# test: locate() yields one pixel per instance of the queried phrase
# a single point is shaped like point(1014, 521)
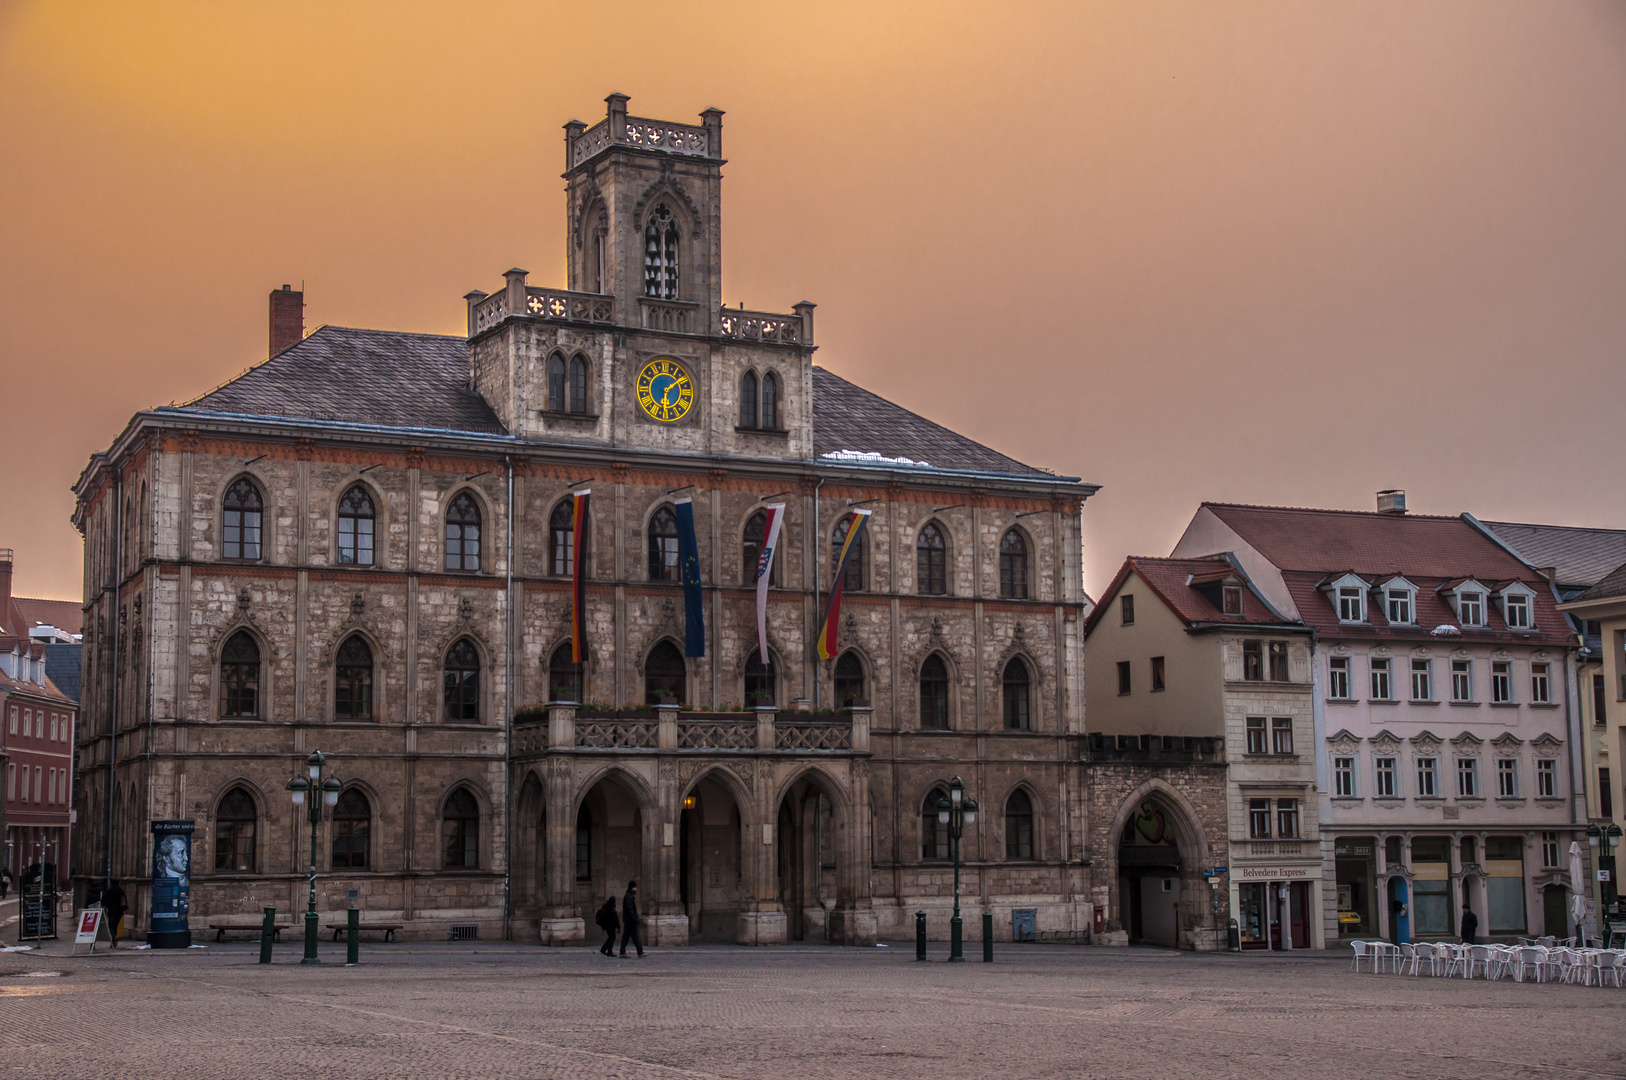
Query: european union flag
point(694, 614)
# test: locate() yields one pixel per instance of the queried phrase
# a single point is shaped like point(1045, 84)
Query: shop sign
point(1270, 873)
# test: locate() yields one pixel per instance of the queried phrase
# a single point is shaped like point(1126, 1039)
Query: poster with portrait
point(171, 884)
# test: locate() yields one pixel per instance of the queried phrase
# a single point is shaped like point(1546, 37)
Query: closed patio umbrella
point(1577, 886)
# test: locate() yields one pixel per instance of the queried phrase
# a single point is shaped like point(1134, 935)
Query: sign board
point(1603, 875)
point(91, 921)
point(1272, 873)
point(352, 894)
point(1218, 870)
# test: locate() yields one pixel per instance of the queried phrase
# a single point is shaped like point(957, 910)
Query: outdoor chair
point(1554, 962)
point(1456, 957)
point(1609, 963)
point(1501, 961)
point(1363, 951)
point(1528, 959)
point(1385, 955)
point(1478, 959)
point(1406, 956)
point(1425, 953)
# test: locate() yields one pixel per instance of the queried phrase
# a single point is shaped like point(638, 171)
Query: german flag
point(832, 611)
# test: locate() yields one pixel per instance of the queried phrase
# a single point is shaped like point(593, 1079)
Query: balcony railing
point(563, 305)
point(1174, 748)
point(669, 729)
point(1279, 848)
point(648, 134)
point(761, 326)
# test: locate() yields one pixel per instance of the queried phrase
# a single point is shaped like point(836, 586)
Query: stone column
point(852, 922)
point(560, 921)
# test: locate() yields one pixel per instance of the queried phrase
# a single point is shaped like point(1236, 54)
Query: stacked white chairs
point(1542, 960)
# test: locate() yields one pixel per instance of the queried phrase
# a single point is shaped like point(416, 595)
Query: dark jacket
point(606, 917)
point(629, 909)
point(113, 900)
point(1470, 927)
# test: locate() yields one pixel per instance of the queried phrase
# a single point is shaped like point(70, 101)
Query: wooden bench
point(388, 928)
point(220, 928)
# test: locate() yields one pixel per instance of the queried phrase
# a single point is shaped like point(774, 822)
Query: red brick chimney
point(287, 318)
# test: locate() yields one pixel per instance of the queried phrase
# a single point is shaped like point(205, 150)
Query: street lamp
point(957, 811)
point(298, 788)
point(1596, 837)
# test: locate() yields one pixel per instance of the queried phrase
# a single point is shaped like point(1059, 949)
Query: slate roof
point(1583, 556)
point(1614, 584)
point(402, 380)
point(383, 377)
point(62, 666)
point(848, 417)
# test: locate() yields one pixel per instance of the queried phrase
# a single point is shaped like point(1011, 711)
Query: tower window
point(661, 254)
point(748, 400)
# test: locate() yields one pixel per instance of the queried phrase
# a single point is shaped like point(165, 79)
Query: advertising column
point(171, 885)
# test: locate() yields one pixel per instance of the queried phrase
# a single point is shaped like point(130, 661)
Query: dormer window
point(1516, 609)
point(1471, 608)
point(1351, 604)
point(1400, 606)
point(1232, 595)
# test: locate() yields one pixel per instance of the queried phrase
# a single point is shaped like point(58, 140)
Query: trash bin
point(1233, 936)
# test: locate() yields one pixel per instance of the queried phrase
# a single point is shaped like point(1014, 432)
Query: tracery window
point(353, 680)
point(460, 830)
point(934, 834)
point(934, 694)
point(665, 673)
point(931, 562)
point(1018, 686)
point(854, 579)
point(463, 533)
point(356, 521)
point(770, 401)
point(759, 679)
point(1013, 566)
point(240, 521)
point(748, 400)
point(235, 820)
point(663, 545)
point(1019, 826)
point(578, 385)
point(562, 539)
point(462, 681)
point(240, 676)
point(352, 822)
point(557, 400)
point(661, 254)
point(564, 675)
point(849, 679)
point(756, 534)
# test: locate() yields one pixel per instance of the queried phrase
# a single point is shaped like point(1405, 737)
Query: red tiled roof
point(1369, 543)
point(1433, 609)
point(62, 614)
point(1169, 579)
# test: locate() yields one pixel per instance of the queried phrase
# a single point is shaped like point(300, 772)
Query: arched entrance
point(806, 853)
point(711, 872)
point(609, 845)
point(1149, 871)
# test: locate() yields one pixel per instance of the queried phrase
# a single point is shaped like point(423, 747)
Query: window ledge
point(1424, 701)
point(1396, 799)
point(1467, 704)
point(1383, 701)
point(1340, 701)
point(1510, 800)
point(1356, 799)
point(1504, 704)
point(775, 431)
point(1270, 757)
point(1550, 800)
point(1476, 800)
point(1544, 704)
point(1431, 798)
point(555, 414)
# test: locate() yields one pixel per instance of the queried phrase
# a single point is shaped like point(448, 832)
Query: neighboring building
point(1448, 763)
point(365, 545)
point(54, 621)
point(36, 733)
point(1186, 656)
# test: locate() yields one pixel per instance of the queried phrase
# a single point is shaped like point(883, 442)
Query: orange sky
point(1280, 253)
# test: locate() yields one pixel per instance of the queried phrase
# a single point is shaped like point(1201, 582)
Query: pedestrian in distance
point(1470, 926)
point(629, 921)
point(5, 883)
point(114, 903)
point(610, 923)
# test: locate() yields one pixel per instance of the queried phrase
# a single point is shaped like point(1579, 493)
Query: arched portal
point(1149, 872)
point(806, 829)
point(711, 872)
point(530, 847)
point(609, 845)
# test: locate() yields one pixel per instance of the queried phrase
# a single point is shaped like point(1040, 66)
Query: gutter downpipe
point(813, 555)
point(508, 707)
point(113, 714)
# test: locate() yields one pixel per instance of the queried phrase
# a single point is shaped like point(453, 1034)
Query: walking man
point(629, 921)
point(610, 924)
point(1470, 925)
point(114, 904)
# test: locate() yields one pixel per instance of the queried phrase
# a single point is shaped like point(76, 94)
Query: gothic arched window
point(460, 830)
point(562, 539)
point(931, 562)
point(557, 401)
point(756, 534)
point(240, 676)
point(934, 834)
point(1019, 826)
point(854, 579)
point(759, 679)
point(665, 673)
point(934, 694)
point(240, 521)
point(578, 385)
point(748, 400)
point(770, 401)
point(353, 680)
point(352, 822)
point(463, 681)
point(564, 675)
point(356, 520)
point(235, 819)
point(663, 545)
point(1013, 566)
point(463, 533)
point(661, 254)
point(849, 678)
point(1017, 696)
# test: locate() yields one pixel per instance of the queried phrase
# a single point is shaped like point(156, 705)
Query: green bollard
point(920, 935)
point(988, 937)
point(268, 931)
point(352, 939)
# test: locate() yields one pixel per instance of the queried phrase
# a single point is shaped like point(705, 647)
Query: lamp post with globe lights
point(329, 789)
point(957, 811)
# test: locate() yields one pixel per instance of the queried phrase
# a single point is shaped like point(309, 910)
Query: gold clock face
point(665, 390)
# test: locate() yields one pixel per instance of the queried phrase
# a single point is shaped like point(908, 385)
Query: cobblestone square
point(500, 1010)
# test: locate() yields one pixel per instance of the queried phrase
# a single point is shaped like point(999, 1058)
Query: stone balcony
point(667, 729)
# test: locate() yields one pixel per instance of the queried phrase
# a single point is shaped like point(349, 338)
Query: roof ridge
point(1330, 510)
point(1568, 528)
